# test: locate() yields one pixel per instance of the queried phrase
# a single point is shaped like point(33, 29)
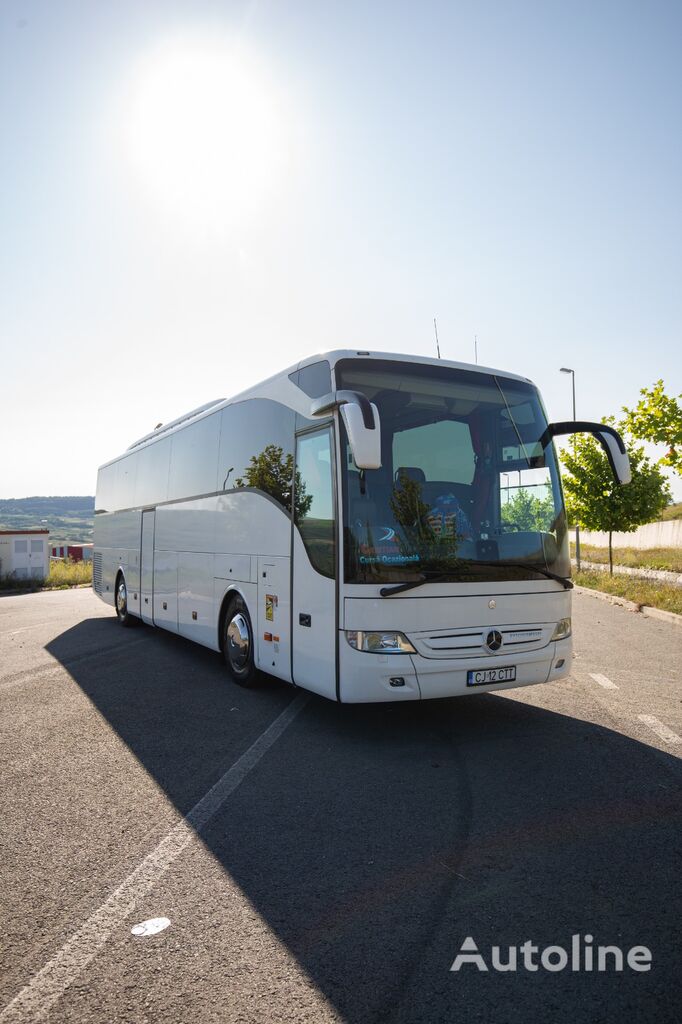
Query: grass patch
point(672, 512)
point(669, 559)
point(63, 574)
point(69, 573)
point(657, 595)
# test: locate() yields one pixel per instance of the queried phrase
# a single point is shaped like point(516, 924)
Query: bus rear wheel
point(238, 644)
point(122, 613)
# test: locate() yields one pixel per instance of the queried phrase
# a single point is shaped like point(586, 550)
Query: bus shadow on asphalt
point(373, 839)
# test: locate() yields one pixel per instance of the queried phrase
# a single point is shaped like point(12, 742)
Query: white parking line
point(603, 681)
point(42, 992)
point(660, 729)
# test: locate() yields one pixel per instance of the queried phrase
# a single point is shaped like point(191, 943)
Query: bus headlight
point(379, 643)
point(562, 629)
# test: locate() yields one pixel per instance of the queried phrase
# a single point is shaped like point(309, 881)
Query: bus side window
point(256, 448)
point(314, 500)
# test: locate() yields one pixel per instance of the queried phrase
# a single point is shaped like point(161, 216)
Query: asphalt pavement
point(324, 863)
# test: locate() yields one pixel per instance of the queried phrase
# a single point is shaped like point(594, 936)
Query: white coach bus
point(371, 527)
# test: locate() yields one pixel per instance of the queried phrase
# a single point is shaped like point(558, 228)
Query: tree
point(272, 472)
point(528, 512)
point(410, 510)
point(657, 417)
point(419, 531)
point(595, 501)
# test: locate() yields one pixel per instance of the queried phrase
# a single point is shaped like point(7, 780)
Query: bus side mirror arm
point(608, 438)
point(361, 419)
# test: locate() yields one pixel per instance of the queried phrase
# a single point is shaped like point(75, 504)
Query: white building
point(24, 554)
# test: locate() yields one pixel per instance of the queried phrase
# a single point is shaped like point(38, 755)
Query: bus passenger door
point(147, 567)
point(313, 606)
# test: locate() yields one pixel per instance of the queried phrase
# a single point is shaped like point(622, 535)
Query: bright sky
point(195, 195)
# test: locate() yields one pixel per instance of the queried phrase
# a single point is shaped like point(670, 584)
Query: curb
point(662, 614)
point(632, 606)
point(621, 602)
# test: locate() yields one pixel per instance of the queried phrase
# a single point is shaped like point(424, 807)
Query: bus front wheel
point(238, 644)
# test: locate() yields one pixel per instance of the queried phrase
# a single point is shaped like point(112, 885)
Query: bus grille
point(97, 572)
point(471, 643)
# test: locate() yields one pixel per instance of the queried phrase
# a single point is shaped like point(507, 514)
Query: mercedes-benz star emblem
point(493, 641)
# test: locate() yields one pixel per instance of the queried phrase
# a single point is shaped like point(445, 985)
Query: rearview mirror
point(609, 439)
point(361, 419)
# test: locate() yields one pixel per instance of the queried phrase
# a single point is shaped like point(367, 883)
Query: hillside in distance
point(68, 517)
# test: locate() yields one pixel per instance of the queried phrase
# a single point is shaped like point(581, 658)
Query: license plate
point(485, 676)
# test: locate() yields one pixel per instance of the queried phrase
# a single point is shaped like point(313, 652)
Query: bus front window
point(464, 479)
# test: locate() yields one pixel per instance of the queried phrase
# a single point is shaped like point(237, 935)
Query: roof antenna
point(435, 327)
point(476, 349)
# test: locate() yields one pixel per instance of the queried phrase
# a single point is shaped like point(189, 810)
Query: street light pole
point(566, 369)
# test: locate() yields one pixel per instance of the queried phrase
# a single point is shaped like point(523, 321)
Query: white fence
point(653, 535)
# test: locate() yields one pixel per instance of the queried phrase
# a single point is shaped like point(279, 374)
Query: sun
point(205, 131)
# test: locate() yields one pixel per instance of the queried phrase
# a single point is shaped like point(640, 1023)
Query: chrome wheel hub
point(238, 642)
point(121, 599)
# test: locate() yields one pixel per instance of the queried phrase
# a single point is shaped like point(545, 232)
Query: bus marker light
point(267, 636)
point(396, 681)
point(562, 629)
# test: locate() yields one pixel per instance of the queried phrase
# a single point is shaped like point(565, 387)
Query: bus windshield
point(466, 484)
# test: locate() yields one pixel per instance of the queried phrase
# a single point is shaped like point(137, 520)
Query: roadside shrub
point(62, 574)
point(65, 573)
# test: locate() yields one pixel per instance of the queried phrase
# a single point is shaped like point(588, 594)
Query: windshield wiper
point(399, 588)
point(440, 577)
point(563, 580)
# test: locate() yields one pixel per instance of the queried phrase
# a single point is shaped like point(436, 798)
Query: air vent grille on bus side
point(97, 572)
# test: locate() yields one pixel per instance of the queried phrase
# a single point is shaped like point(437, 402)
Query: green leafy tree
point(657, 417)
point(595, 501)
point(528, 512)
point(410, 510)
point(412, 513)
point(273, 472)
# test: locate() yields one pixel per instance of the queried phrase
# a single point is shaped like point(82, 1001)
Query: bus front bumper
point(368, 678)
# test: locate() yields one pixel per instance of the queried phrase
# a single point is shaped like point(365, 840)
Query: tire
point(238, 644)
point(121, 601)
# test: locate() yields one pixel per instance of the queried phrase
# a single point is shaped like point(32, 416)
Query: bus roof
point(333, 357)
point(336, 355)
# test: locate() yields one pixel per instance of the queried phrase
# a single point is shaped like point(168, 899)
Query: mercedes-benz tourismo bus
point(370, 527)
